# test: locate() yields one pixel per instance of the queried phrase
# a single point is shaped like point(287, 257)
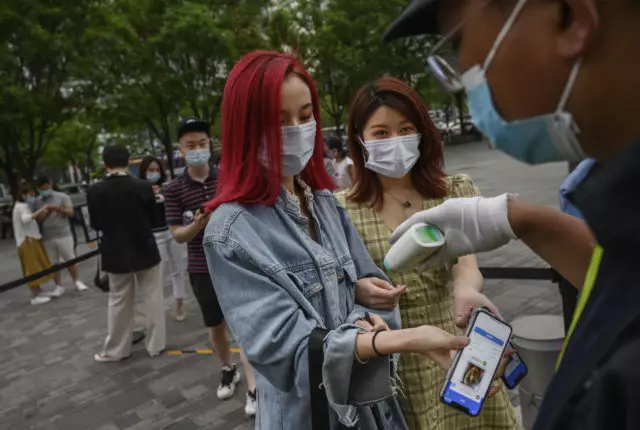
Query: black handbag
point(319, 403)
point(101, 280)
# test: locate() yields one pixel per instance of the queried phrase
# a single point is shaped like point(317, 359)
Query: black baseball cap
point(420, 17)
point(192, 124)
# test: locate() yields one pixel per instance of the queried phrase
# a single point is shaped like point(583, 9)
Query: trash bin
point(538, 339)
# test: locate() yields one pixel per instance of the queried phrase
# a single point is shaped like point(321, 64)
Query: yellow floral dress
point(428, 301)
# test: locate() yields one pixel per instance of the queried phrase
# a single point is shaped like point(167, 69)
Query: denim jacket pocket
point(347, 278)
point(309, 284)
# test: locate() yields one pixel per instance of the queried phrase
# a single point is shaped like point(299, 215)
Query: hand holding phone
point(515, 371)
point(471, 377)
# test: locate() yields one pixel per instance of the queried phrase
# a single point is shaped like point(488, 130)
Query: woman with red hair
point(286, 261)
point(398, 160)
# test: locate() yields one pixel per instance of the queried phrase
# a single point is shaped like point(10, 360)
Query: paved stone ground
point(48, 379)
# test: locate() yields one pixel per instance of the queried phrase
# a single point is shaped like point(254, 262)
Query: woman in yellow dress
point(398, 158)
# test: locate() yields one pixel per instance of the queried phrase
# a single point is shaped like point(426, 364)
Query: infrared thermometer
point(417, 244)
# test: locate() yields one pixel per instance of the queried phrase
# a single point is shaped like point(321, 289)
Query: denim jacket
point(275, 285)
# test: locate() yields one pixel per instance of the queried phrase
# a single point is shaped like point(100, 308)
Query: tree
point(162, 59)
point(40, 44)
point(75, 143)
point(340, 43)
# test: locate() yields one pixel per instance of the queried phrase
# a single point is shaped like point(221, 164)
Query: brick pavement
point(49, 381)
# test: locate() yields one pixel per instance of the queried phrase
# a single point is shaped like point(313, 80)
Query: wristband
point(373, 344)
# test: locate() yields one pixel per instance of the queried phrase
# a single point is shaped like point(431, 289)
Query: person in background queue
point(399, 159)
point(33, 259)
point(57, 237)
point(553, 81)
point(185, 200)
point(344, 174)
point(172, 253)
point(285, 259)
point(123, 210)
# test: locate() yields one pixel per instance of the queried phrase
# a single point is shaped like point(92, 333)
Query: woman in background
point(171, 252)
point(343, 174)
point(399, 160)
point(33, 259)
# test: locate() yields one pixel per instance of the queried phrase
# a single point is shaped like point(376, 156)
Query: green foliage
point(74, 142)
point(159, 60)
point(40, 42)
point(340, 43)
point(78, 74)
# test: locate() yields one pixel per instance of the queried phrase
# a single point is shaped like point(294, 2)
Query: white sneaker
point(251, 408)
point(81, 286)
point(40, 300)
point(228, 381)
point(56, 292)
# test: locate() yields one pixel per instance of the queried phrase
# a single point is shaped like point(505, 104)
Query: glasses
point(444, 67)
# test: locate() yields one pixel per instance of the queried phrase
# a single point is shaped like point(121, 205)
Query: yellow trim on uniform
point(589, 282)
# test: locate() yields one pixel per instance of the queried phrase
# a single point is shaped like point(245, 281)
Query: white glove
point(470, 225)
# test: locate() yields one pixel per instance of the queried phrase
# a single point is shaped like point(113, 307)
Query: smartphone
point(515, 371)
point(470, 377)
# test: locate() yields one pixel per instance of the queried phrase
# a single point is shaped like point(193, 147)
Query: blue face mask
point(31, 200)
point(197, 157)
point(46, 193)
point(153, 177)
point(540, 139)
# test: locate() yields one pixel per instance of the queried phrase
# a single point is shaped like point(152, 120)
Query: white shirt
point(341, 175)
point(24, 225)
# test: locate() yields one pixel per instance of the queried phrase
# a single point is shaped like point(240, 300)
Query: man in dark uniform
point(555, 81)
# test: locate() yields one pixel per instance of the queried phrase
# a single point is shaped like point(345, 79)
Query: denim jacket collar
point(290, 203)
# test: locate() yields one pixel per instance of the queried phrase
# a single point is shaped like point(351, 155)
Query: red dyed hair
point(251, 107)
point(427, 175)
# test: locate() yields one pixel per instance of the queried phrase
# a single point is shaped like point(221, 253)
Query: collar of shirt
point(610, 200)
point(291, 203)
point(112, 174)
point(188, 178)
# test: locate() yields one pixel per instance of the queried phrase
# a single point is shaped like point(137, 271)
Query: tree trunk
point(460, 105)
point(13, 181)
point(337, 122)
point(168, 149)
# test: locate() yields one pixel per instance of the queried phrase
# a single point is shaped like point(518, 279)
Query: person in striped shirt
point(185, 199)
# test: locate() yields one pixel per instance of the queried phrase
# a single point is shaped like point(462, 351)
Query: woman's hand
point(378, 294)
point(466, 300)
point(41, 213)
point(372, 322)
point(438, 345)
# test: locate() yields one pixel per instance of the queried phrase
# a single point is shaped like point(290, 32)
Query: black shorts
point(207, 299)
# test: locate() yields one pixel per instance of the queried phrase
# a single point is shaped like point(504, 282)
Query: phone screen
point(515, 370)
point(477, 364)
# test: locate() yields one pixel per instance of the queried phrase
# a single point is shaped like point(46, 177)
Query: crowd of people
point(42, 229)
point(289, 235)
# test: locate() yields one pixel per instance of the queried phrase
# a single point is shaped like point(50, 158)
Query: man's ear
point(581, 21)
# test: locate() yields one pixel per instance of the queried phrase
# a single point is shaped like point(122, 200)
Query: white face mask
point(393, 157)
point(298, 143)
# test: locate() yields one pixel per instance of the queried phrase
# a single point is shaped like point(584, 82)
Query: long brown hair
point(427, 176)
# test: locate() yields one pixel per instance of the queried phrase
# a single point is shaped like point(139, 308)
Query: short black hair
point(42, 180)
point(190, 124)
point(144, 166)
point(115, 156)
point(334, 142)
point(24, 190)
